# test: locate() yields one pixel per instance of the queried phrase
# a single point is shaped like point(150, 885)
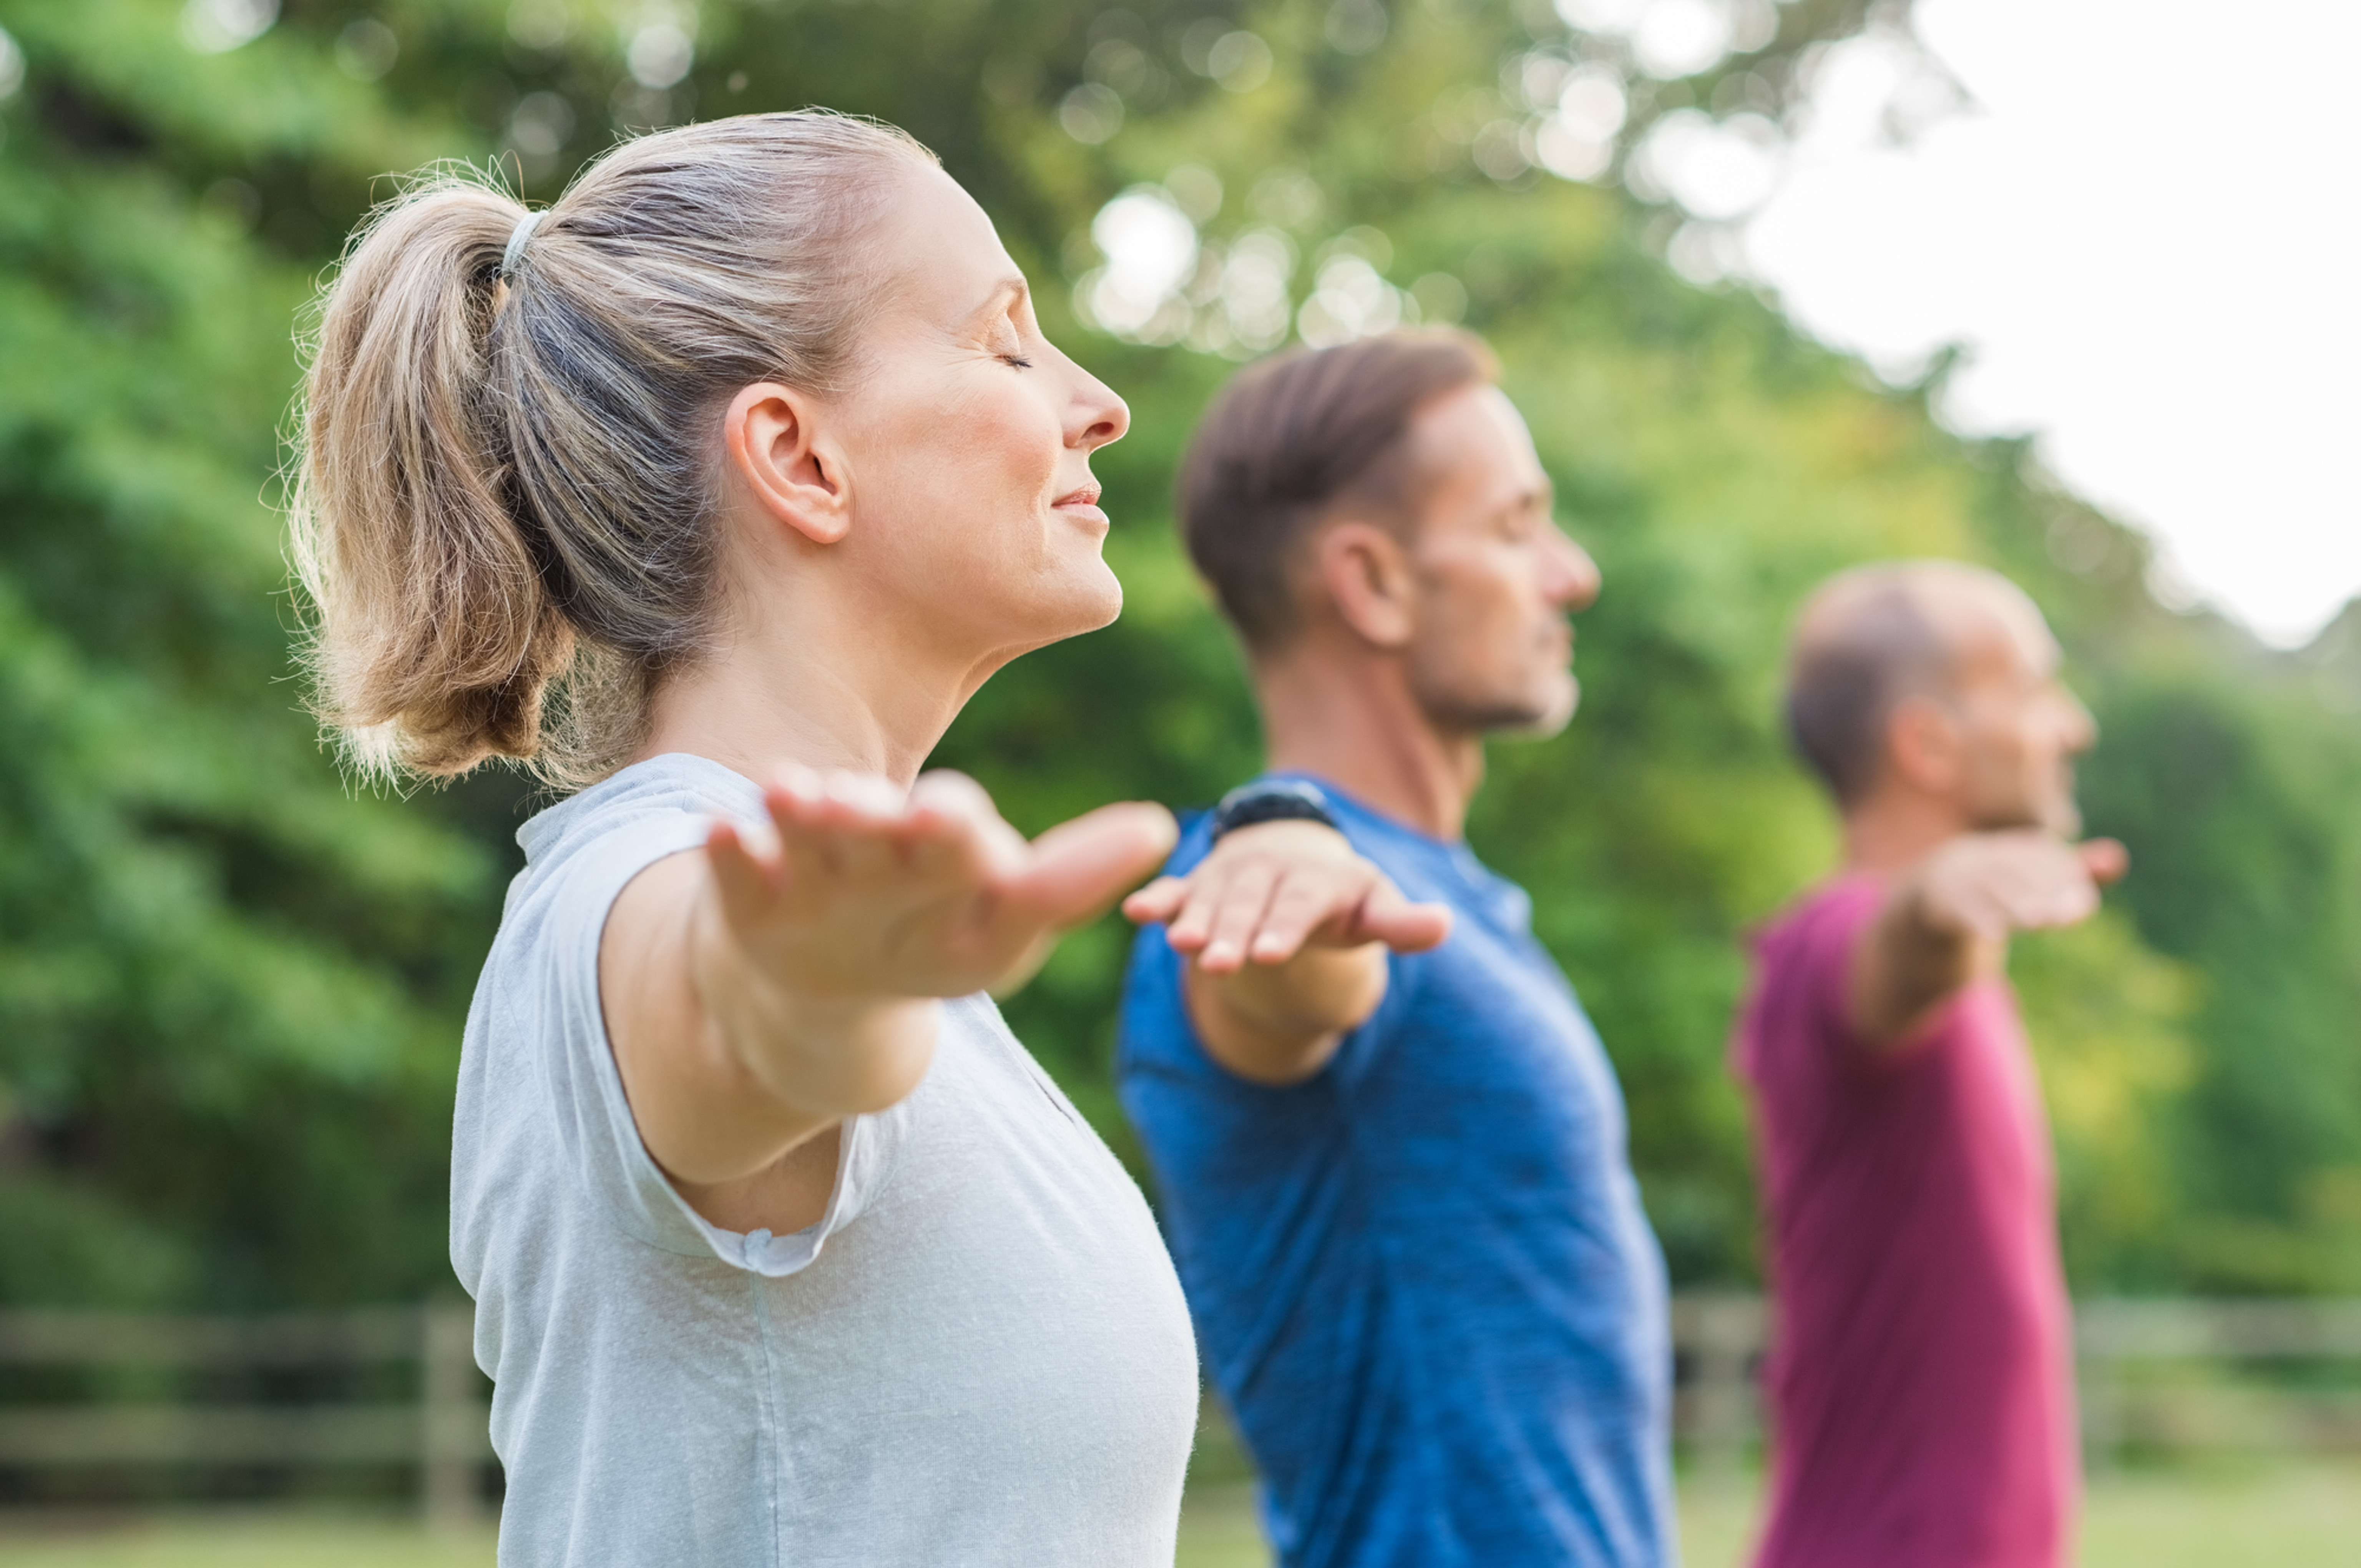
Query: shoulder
point(1822, 924)
point(1803, 965)
point(582, 852)
point(654, 796)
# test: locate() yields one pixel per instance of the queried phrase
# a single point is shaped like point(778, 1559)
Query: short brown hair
point(1294, 435)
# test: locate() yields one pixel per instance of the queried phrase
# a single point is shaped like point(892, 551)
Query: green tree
point(224, 985)
point(230, 988)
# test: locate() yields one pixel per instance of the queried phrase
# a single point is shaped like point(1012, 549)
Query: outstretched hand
point(1287, 928)
point(1949, 918)
point(760, 992)
point(865, 891)
point(1267, 891)
point(1984, 885)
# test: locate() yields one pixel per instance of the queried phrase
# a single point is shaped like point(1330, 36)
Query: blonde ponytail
point(503, 495)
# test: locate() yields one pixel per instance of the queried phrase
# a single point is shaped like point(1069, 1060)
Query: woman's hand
point(785, 980)
point(1288, 929)
point(866, 893)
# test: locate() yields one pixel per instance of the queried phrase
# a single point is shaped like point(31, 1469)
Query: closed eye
point(1017, 360)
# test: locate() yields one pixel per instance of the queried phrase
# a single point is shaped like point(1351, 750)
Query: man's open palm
point(1985, 885)
point(1267, 891)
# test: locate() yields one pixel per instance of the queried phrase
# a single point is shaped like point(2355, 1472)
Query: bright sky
point(2143, 227)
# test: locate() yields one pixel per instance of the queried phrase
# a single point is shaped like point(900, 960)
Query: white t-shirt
point(979, 1357)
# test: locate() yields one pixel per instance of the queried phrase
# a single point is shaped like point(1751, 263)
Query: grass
point(2305, 1516)
point(2298, 1515)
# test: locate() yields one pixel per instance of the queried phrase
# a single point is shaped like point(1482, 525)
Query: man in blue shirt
point(1392, 1160)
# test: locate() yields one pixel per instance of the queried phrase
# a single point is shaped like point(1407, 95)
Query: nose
point(1573, 581)
point(2082, 729)
point(1095, 416)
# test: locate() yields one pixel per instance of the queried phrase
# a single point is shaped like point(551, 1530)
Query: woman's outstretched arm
point(763, 990)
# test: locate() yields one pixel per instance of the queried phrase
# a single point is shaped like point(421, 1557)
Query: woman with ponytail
point(710, 494)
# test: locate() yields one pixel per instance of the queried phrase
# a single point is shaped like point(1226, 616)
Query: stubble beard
point(2051, 811)
point(1521, 718)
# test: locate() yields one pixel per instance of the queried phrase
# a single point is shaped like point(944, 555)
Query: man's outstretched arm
point(1284, 930)
point(1947, 919)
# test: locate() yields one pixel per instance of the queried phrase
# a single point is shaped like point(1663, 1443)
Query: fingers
point(1252, 909)
point(1078, 868)
point(957, 832)
point(844, 826)
point(833, 824)
point(2030, 883)
point(2105, 860)
point(2064, 901)
point(1158, 902)
point(1386, 917)
point(747, 884)
point(1289, 887)
point(1236, 917)
point(1196, 905)
point(1298, 908)
point(1988, 884)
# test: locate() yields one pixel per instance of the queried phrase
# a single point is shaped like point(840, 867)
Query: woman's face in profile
point(971, 438)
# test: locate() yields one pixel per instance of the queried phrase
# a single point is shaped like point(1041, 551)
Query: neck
point(1352, 719)
point(1893, 829)
point(814, 682)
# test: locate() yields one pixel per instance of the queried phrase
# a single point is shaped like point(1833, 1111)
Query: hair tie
point(517, 237)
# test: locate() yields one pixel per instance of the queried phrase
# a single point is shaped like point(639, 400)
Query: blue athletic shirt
point(1422, 1278)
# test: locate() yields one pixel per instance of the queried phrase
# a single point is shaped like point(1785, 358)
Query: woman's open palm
point(868, 893)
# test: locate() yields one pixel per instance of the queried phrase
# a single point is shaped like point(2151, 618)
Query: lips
point(1081, 504)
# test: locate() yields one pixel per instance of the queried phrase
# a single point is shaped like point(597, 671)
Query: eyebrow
point(1541, 498)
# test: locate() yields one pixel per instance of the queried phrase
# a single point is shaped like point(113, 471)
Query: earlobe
point(776, 452)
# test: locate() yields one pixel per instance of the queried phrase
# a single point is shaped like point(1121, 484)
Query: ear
point(1924, 748)
point(1366, 574)
point(773, 437)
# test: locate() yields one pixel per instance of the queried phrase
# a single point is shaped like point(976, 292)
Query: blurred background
point(1780, 287)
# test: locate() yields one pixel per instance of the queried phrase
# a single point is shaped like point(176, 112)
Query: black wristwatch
point(1271, 800)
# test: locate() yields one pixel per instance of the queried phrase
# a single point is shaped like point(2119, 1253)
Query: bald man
point(1920, 1384)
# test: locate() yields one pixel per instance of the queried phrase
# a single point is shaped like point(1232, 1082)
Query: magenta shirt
point(1920, 1381)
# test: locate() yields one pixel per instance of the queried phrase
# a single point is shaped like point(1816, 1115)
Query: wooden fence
point(2178, 1376)
point(2155, 1375)
point(137, 1372)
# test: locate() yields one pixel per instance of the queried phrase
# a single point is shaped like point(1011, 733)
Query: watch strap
point(1271, 800)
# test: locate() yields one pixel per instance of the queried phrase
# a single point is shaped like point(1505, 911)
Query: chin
point(1533, 716)
point(1542, 725)
point(1554, 712)
point(1106, 600)
point(2062, 822)
point(1091, 601)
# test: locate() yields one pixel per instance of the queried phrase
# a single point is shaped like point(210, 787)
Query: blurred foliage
point(230, 990)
